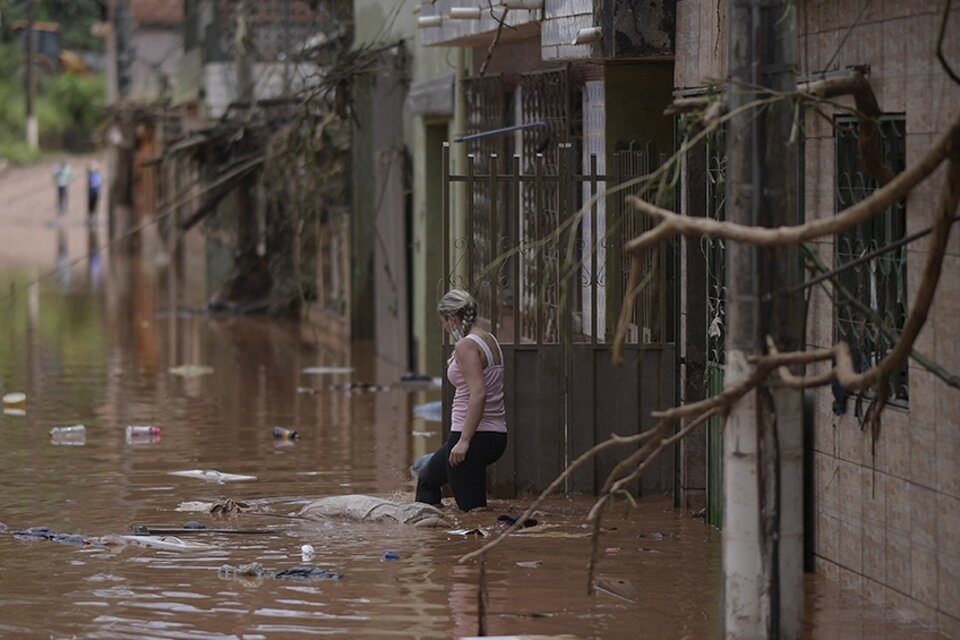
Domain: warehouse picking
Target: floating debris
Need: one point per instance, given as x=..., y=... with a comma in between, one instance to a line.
x=530, y=564
x=73, y=435
x=318, y=371
x=191, y=370
x=15, y=400
x=212, y=475
x=483, y=533
x=359, y=387
x=255, y=569
x=142, y=434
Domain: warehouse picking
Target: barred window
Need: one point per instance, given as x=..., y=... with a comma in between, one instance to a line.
x=879, y=284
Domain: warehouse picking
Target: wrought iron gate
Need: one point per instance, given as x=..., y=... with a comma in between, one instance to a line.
x=563, y=394
x=715, y=254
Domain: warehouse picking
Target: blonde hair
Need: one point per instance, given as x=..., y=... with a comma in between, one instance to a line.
x=461, y=304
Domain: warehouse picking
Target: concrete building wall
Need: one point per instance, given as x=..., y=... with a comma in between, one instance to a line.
x=561, y=22
x=427, y=111
x=701, y=42
x=887, y=515
x=158, y=56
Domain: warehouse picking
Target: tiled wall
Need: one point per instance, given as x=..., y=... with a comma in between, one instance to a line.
x=888, y=514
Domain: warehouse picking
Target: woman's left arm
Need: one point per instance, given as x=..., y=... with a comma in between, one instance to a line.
x=468, y=358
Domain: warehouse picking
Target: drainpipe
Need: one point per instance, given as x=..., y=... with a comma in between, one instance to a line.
x=459, y=153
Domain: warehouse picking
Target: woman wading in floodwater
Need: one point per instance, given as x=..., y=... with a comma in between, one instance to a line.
x=478, y=426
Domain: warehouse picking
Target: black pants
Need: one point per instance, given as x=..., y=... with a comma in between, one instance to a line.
x=61, y=199
x=468, y=480
x=92, y=196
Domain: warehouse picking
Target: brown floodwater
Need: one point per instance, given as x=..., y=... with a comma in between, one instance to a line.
x=96, y=346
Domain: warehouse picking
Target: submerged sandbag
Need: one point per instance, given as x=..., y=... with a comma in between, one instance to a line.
x=372, y=509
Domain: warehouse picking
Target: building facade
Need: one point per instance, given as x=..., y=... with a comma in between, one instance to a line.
x=881, y=510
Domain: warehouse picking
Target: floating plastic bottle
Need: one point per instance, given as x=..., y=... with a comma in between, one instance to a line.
x=15, y=400
x=137, y=434
x=72, y=435
x=280, y=433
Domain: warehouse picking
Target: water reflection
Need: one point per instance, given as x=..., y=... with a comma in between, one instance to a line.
x=63, y=273
x=94, y=258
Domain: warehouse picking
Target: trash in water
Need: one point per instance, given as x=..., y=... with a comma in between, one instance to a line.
x=309, y=390
x=307, y=573
x=142, y=434
x=532, y=564
x=612, y=551
x=358, y=387
x=74, y=435
x=46, y=533
x=280, y=433
x=165, y=543
x=391, y=555
x=228, y=505
x=430, y=411
x=250, y=569
x=191, y=370
x=483, y=533
x=306, y=552
x=419, y=464
x=618, y=588
x=326, y=370
x=506, y=521
x=14, y=412
x=212, y=475
x=193, y=524
x=15, y=400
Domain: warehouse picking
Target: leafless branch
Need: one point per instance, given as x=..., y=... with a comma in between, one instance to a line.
x=943, y=30
x=673, y=224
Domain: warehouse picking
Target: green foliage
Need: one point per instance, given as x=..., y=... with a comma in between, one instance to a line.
x=69, y=108
x=75, y=17
x=72, y=103
x=18, y=152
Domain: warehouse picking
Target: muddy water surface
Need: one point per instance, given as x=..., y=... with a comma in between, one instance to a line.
x=96, y=348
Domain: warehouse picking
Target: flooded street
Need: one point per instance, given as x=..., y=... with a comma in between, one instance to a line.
x=99, y=345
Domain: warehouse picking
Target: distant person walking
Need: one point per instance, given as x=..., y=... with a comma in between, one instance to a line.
x=62, y=176
x=94, y=182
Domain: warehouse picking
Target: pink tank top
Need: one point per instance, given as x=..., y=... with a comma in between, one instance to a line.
x=494, y=415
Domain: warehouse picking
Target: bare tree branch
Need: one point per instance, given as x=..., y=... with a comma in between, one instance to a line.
x=879, y=200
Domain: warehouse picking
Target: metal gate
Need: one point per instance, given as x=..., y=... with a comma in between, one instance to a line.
x=539, y=294
x=715, y=254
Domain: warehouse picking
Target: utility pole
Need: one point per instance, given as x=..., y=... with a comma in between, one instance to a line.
x=763, y=438
x=33, y=137
x=248, y=231
x=244, y=61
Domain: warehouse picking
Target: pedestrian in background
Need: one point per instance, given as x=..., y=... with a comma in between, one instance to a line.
x=478, y=426
x=94, y=182
x=62, y=176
